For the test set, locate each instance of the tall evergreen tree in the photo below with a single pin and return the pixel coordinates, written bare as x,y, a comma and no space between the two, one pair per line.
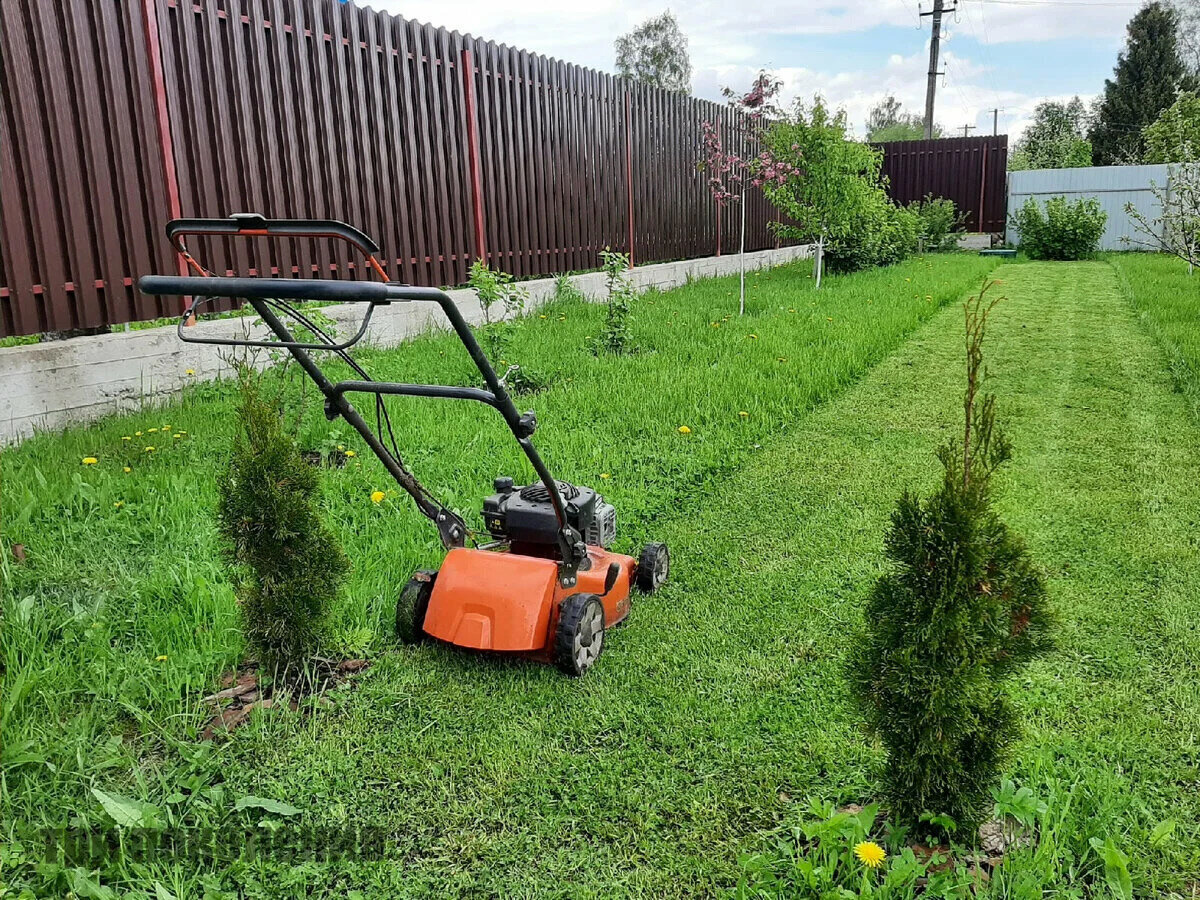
1147,76
656,53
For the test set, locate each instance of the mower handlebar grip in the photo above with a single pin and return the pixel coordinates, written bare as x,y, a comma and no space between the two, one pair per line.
320,289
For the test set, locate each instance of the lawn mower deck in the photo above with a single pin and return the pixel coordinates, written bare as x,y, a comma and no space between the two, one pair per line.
544,584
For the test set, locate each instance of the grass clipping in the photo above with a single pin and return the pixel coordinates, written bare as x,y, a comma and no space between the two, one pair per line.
287,566
961,609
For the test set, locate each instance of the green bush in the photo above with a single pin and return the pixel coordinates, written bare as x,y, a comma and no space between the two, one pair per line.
287,567
885,234
961,609
940,224
501,301
1063,230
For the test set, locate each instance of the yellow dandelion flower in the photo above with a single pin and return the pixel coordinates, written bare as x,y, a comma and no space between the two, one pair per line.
743,414
377,496
118,504
870,854
683,429
151,430
164,427
350,454
90,460
137,434
177,435
753,337
150,449
127,438
190,372
162,658
605,475
541,317
181,431
128,470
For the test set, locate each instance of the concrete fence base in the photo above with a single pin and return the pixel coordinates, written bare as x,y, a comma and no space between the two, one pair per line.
53,385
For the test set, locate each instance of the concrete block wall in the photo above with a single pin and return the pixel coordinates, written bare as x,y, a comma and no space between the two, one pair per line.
52,385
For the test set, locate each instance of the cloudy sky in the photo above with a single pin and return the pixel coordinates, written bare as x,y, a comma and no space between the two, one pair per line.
997,53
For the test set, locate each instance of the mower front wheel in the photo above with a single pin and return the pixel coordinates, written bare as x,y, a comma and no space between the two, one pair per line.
412,605
579,637
654,564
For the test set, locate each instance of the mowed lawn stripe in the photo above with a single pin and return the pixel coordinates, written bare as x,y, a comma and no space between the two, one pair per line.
721,706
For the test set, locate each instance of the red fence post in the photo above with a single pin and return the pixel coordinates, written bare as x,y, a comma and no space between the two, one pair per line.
154,55
468,77
718,203
629,173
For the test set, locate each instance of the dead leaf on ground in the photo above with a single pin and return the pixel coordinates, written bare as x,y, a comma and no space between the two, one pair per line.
18,550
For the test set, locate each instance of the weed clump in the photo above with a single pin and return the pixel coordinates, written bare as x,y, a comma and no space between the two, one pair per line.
288,568
614,336
501,301
960,611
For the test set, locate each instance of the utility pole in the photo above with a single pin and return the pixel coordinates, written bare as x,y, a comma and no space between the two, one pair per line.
967,128
934,42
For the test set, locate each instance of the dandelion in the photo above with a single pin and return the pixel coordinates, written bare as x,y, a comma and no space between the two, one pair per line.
341,448
350,454
90,460
164,427
541,317
605,475
683,429
127,438
377,496
118,504
753,337
137,434
190,372
151,430
744,414
870,854
177,435
128,470
162,658
149,449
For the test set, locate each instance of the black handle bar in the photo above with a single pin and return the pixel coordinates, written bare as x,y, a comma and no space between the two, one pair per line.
320,289
256,225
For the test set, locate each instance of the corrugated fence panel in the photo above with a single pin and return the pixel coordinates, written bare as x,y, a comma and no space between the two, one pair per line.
318,109
1112,186
84,199
970,171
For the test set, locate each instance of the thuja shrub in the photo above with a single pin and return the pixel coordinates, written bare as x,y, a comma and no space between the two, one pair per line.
961,609
614,336
1063,230
287,567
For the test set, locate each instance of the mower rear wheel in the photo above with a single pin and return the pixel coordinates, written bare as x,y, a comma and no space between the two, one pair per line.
654,565
579,637
412,605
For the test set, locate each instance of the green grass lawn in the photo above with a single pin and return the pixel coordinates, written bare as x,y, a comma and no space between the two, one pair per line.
1168,302
721,706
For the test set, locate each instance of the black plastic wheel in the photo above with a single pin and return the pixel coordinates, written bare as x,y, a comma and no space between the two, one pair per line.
412,604
579,637
654,565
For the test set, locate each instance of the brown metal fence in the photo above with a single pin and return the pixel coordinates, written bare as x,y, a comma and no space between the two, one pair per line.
118,115
970,171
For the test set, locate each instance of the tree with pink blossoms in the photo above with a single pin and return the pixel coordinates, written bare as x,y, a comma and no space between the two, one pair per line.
728,172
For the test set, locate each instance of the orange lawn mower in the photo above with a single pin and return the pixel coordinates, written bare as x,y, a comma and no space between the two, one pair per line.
544,583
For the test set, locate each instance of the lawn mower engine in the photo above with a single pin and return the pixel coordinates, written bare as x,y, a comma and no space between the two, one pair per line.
524,516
